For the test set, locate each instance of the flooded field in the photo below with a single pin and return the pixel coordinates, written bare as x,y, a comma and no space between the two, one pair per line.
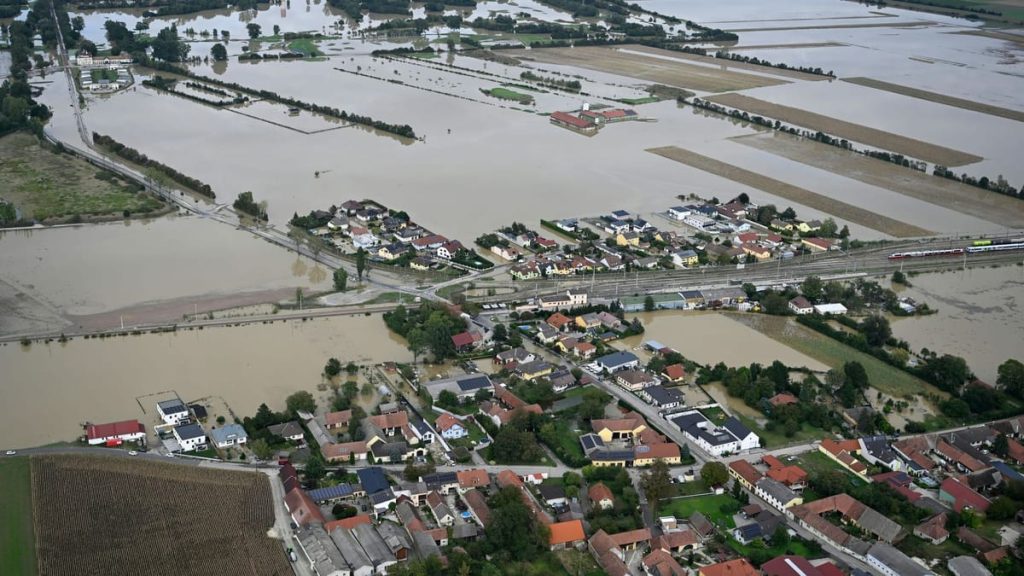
710,338
63,385
980,316
168,267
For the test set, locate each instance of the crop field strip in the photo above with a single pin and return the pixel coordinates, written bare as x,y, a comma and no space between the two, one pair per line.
109,516
17,546
644,67
956,196
786,46
938,98
723,63
915,24
840,209
873,137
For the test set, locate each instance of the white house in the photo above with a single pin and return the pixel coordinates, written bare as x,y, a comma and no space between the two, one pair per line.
450,427
731,438
698,221
190,437
837,309
800,306
678,212
618,361
229,435
172,411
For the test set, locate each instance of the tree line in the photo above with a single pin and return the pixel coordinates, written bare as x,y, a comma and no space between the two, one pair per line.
557,83
723,54
167,85
136,157
11,8
398,129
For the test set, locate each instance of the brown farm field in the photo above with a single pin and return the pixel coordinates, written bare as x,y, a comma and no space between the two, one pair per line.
938,98
956,196
646,67
848,130
788,191
726,64
106,516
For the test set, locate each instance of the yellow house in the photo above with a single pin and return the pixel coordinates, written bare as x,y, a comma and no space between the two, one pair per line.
533,370
588,321
759,252
805,227
611,429
419,264
628,239
648,454
607,458
687,258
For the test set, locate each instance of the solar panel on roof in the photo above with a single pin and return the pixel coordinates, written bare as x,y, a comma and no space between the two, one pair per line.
331,492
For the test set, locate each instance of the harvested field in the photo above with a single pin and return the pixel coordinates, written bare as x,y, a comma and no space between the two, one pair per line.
674,72
781,189
1007,36
848,130
782,46
832,26
107,516
722,63
939,98
955,196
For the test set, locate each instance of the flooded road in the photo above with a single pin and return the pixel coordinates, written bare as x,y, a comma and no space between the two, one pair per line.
980,316
48,389
95,269
711,337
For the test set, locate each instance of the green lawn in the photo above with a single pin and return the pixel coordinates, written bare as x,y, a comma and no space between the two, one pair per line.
639,101
715,414
710,506
815,462
776,438
475,435
423,55
884,377
795,547
506,94
103,74
305,45
691,488
17,541
43,184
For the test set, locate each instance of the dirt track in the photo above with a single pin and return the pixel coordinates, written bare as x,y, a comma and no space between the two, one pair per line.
781,189
959,197
671,72
938,98
848,130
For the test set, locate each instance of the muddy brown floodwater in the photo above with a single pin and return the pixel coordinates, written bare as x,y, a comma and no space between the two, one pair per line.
49,389
710,338
980,316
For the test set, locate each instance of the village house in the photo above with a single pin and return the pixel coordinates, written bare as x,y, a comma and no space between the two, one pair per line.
566,535
190,437
229,435
635,380
800,305
601,496
124,431
674,373
817,244
618,361
664,398
172,411
450,427
731,438
844,453
685,258
960,496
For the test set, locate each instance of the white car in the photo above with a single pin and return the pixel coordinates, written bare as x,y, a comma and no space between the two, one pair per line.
11,452
133,453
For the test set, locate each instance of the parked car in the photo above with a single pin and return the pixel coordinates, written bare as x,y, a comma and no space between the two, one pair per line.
133,453
11,452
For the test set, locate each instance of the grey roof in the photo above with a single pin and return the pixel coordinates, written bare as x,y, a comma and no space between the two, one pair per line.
591,442
736,428
174,406
617,359
532,367
460,385
350,549
769,522
227,433
723,294
878,524
550,492
897,561
425,545
976,435
373,479
321,550
750,531
776,490
701,524
285,429
661,395
389,450
566,403
689,423
442,510
406,511
930,504
331,492
612,455
394,536
189,431
381,497
439,479
375,547
421,426
462,531
967,566
878,447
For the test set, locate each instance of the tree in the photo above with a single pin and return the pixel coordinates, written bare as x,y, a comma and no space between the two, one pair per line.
500,333
514,532
332,368
416,340
856,375
360,263
775,304
656,483
254,30
955,408
87,46
1001,446
828,228
649,304
301,400
315,469
342,511
340,279
219,52
221,420
780,539
948,372
812,288
260,448
277,30
1011,378
167,46
876,330
447,398
714,474
1002,508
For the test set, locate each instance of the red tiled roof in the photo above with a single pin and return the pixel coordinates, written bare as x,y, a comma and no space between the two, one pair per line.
473,478
574,121
462,339
788,475
302,508
557,320
337,418
445,422
664,450
783,399
1016,451
623,539
934,527
347,523
745,470
475,500
599,492
566,532
738,567
663,564
121,428
509,478
672,541
675,372
964,496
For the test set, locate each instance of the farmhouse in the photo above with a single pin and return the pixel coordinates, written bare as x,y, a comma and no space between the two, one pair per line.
124,431
567,120
566,534
800,305
462,386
